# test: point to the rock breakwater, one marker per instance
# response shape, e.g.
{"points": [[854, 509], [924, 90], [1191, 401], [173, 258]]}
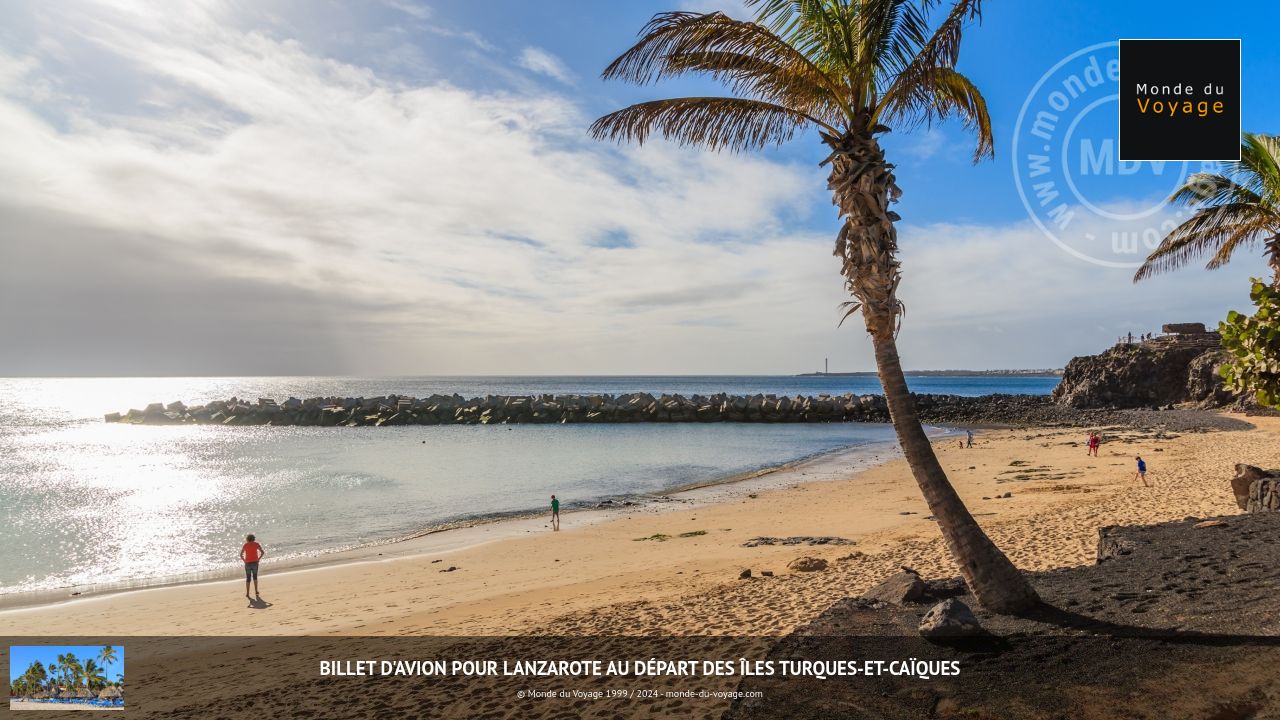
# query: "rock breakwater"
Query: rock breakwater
{"points": [[393, 410]]}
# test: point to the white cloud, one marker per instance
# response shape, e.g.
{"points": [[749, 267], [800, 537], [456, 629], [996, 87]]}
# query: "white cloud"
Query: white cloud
{"points": [[190, 194], [412, 9], [544, 63]]}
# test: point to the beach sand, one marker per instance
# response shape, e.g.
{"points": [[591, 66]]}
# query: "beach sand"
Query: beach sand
{"points": [[598, 577], [68, 707]]}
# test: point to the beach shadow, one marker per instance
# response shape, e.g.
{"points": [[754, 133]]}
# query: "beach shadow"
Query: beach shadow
{"points": [[1051, 615], [258, 604]]}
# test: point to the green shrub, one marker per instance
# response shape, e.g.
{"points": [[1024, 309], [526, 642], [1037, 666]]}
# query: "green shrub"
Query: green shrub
{"points": [[1253, 341]]}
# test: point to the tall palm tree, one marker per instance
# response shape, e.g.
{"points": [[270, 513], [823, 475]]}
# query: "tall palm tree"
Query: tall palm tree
{"points": [[72, 669], [1239, 207], [106, 656], [849, 69]]}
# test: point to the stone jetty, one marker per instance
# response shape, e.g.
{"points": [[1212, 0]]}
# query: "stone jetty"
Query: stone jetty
{"points": [[394, 410]]}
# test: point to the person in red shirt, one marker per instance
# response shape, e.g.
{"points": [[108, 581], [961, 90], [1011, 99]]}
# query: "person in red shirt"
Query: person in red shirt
{"points": [[251, 552]]}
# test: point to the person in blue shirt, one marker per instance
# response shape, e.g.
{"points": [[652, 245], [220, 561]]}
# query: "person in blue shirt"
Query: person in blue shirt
{"points": [[1142, 471]]}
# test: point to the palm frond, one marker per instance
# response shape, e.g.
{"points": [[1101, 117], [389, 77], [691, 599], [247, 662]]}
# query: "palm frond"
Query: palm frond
{"points": [[936, 94], [1243, 236], [1207, 231], [1211, 189], [824, 31], [733, 124], [1259, 165], [744, 54], [760, 79], [941, 50]]}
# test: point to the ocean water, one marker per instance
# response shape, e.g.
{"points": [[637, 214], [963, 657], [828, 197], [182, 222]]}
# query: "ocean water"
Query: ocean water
{"points": [[84, 502]]}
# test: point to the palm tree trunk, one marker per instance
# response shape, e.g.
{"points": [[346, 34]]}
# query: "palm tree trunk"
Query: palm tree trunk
{"points": [[863, 185]]}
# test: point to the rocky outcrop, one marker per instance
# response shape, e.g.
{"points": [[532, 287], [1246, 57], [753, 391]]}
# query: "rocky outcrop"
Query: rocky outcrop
{"points": [[1255, 489], [1179, 367], [1127, 376]]}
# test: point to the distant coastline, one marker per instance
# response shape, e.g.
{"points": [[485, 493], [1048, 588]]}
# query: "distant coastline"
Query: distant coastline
{"points": [[945, 373]]}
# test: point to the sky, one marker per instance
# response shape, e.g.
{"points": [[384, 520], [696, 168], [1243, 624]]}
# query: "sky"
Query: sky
{"points": [[21, 657], [403, 187]]}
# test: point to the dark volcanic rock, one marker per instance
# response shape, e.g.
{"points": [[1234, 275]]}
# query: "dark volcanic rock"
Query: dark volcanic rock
{"points": [[953, 410], [799, 540], [1127, 376], [1204, 384], [898, 589], [1255, 489], [1112, 543]]}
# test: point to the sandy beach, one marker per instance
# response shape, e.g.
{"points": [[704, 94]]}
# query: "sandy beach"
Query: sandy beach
{"points": [[673, 568]]}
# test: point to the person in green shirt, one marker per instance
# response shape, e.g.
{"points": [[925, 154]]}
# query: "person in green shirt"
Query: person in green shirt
{"points": [[555, 513]]}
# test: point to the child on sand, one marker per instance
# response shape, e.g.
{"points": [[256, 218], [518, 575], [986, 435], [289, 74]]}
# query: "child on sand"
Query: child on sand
{"points": [[555, 513], [1142, 471], [251, 553], [1094, 442]]}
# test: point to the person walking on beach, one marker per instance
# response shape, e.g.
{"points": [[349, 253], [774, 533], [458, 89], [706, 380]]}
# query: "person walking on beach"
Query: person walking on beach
{"points": [[1094, 442], [969, 433], [251, 553], [1142, 471], [555, 513]]}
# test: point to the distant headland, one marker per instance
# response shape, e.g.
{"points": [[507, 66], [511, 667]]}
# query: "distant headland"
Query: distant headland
{"points": [[946, 373]]}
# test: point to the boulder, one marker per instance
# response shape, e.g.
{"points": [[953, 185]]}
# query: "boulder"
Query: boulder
{"points": [[899, 589], [807, 564], [1184, 328], [950, 619], [1246, 475], [1264, 488]]}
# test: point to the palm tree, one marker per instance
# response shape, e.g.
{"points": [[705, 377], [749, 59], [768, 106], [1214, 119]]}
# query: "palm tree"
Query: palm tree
{"points": [[1239, 207], [35, 675], [107, 655], [849, 69], [72, 670], [92, 675]]}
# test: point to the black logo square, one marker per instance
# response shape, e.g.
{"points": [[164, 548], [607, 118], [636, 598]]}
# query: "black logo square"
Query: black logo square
{"points": [[1179, 99]]}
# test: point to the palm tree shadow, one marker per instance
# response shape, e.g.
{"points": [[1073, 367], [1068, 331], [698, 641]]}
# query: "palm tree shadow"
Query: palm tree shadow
{"points": [[1051, 615], [258, 603]]}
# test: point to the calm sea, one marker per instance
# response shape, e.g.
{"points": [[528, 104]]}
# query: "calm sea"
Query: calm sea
{"points": [[85, 502]]}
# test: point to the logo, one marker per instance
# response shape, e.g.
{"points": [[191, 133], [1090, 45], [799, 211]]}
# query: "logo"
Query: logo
{"points": [[1180, 99], [1069, 173]]}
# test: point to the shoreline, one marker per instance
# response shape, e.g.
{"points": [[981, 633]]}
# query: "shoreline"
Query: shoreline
{"points": [[470, 533], [677, 568]]}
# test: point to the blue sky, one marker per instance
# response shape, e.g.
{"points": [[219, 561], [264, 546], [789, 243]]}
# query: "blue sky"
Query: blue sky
{"points": [[21, 657], [406, 187]]}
